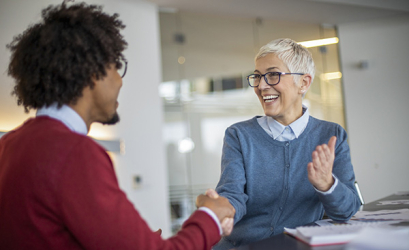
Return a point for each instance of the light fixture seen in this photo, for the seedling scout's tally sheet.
(181, 60)
(319, 42)
(331, 76)
(186, 145)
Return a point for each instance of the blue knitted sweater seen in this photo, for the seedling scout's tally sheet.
(267, 181)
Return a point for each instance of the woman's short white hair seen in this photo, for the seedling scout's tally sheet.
(295, 56)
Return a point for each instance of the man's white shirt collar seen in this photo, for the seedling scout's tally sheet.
(66, 115)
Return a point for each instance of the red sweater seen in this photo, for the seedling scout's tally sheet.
(58, 190)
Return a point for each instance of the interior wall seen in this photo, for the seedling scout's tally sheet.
(374, 59)
(140, 107)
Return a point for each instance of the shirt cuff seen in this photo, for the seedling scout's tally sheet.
(214, 217)
(331, 189)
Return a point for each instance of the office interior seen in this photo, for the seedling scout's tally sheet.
(186, 84)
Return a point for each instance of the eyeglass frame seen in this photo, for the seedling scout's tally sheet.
(265, 78)
(126, 67)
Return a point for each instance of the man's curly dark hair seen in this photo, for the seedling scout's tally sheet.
(54, 60)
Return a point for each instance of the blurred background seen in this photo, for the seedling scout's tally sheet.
(186, 84)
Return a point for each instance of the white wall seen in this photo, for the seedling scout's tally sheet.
(377, 103)
(140, 107)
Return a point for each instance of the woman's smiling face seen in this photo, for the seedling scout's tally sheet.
(283, 101)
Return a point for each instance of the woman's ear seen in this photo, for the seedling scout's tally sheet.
(305, 83)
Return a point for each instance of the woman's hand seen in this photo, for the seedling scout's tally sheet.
(320, 169)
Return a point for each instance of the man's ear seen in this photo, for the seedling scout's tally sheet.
(93, 82)
(305, 83)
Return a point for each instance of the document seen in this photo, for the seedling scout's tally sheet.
(394, 202)
(402, 193)
(382, 215)
(332, 234)
(396, 238)
(329, 232)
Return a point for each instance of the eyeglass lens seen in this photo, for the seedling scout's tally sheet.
(272, 78)
(121, 67)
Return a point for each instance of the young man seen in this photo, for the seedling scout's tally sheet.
(58, 189)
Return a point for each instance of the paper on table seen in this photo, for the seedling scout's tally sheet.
(380, 239)
(330, 222)
(403, 193)
(394, 202)
(330, 235)
(382, 215)
(312, 237)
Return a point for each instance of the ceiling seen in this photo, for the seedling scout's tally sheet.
(331, 12)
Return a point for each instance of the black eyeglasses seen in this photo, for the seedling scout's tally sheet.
(271, 78)
(122, 66)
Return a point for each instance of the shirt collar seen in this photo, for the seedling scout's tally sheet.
(297, 126)
(66, 115)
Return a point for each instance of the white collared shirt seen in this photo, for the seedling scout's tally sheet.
(66, 115)
(280, 132)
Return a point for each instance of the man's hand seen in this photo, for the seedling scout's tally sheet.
(220, 206)
(320, 169)
(226, 223)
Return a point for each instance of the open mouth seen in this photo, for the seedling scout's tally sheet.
(270, 98)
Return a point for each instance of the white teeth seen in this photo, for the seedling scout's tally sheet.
(269, 97)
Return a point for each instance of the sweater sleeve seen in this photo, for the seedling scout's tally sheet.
(233, 178)
(343, 202)
(99, 215)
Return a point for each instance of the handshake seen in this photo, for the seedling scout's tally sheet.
(220, 206)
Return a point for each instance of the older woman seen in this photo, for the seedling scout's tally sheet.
(284, 169)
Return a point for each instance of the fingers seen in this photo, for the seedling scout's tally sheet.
(310, 169)
(159, 231)
(320, 169)
(324, 153)
(220, 206)
(212, 193)
(229, 210)
(322, 159)
(316, 161)
(227, 226)
(201, 199)
(331, 144)
(209, 193)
